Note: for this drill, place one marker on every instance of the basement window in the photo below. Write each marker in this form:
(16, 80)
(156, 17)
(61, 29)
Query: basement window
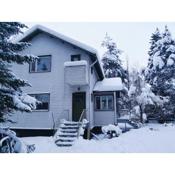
(44, 101)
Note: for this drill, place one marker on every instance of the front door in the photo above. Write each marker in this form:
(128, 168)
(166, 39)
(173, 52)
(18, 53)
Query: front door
(78, 104)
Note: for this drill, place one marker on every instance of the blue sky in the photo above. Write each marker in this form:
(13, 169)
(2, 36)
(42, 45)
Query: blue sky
(131, 37)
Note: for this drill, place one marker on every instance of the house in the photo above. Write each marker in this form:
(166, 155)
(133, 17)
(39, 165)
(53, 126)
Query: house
(67, 78)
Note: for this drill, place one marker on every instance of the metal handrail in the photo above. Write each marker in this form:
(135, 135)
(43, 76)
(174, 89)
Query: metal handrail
(80, 122)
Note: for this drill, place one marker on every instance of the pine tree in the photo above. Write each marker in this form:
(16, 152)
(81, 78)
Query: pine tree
(11, 96)
(112, 64)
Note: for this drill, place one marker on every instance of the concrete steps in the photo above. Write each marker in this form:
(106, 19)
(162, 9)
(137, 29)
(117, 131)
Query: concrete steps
(67, 133)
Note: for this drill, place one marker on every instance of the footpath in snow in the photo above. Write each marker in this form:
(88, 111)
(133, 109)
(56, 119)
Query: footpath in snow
(152, 138)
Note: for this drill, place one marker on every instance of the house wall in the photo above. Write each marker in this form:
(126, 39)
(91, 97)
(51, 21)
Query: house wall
(104, 118)
(51, 82)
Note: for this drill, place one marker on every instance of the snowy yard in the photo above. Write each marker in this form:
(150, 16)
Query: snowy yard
(152, 138)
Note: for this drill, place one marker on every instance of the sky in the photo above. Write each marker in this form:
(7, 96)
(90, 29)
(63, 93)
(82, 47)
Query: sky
(131, 37)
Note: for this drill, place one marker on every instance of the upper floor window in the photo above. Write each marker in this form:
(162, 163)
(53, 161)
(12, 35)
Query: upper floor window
(44, 101)
(76, 57)
(43, 64)
(104, 102)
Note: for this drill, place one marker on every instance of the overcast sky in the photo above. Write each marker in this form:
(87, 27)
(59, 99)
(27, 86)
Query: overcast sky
(131, 37)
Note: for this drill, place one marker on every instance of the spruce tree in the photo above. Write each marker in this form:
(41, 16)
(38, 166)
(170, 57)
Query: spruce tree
(112, 63)
(11, 96)
(156, 36)
(161, 73)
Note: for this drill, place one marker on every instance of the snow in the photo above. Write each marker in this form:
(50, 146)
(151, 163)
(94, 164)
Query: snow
(24, 102)
(171, 48)
(109, 84)
(132, 90)
(108, 128)
(58, 35)
(157, 62)
(62, 37)
(148, 97)
(75, 63)
(151, 138)
(170, 62)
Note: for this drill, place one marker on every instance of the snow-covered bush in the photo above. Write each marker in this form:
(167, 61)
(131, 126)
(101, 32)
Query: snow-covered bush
(111, 130)
(10, 143)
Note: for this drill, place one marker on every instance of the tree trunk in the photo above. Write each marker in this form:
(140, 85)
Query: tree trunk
(141, 114)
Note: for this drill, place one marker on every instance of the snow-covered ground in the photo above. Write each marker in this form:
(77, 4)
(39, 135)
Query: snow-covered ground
(152, 138)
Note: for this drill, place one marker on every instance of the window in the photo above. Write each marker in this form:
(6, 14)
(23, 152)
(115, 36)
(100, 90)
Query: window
(104, 102)
(43, 64)
(44, 101)
(75, 57)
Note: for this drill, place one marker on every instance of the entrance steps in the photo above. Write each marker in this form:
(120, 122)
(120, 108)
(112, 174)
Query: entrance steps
(68, 132)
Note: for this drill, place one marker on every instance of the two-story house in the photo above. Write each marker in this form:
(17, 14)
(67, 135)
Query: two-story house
(66, 78)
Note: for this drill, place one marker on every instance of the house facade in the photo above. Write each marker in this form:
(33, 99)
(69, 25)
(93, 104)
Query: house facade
(67, 79)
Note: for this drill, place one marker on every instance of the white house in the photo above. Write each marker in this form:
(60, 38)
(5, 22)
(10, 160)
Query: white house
(67, 78)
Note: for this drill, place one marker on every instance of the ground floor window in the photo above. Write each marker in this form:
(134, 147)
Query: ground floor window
(104, 102)
(44, 99)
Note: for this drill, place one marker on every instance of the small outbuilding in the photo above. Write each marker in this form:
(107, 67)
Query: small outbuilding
(106, 94)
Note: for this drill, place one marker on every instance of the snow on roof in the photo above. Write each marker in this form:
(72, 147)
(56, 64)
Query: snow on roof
(58, 35)
(74, 42)
(109, 84)
(75, 63)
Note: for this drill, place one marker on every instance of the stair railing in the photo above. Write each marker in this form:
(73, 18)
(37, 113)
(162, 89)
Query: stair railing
(80, 122)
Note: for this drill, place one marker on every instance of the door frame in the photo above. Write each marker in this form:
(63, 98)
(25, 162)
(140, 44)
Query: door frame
(84, 96)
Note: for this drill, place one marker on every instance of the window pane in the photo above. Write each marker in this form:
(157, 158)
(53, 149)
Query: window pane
(110, 102)
(97, 103)
(103, 103)
(44, 99)
(32, 66)
(44, 64)
(75, 58)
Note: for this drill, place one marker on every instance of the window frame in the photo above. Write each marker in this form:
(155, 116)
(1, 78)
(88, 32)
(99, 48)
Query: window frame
(41, 110)
(76, 55)
(36, 61)
(101, 96)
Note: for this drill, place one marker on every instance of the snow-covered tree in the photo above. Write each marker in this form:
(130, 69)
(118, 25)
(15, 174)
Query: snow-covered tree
(156, 36)
(160, 72)
(113, 67)
(112, 63)
(11, 96)
(141, 95)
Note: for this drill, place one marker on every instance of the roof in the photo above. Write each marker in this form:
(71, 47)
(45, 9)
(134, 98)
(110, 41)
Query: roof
(39, 28)
(109, 84)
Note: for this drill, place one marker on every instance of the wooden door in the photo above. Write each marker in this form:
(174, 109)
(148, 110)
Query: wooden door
(78, 104)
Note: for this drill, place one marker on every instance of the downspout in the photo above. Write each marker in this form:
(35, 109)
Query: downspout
(90, 66)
